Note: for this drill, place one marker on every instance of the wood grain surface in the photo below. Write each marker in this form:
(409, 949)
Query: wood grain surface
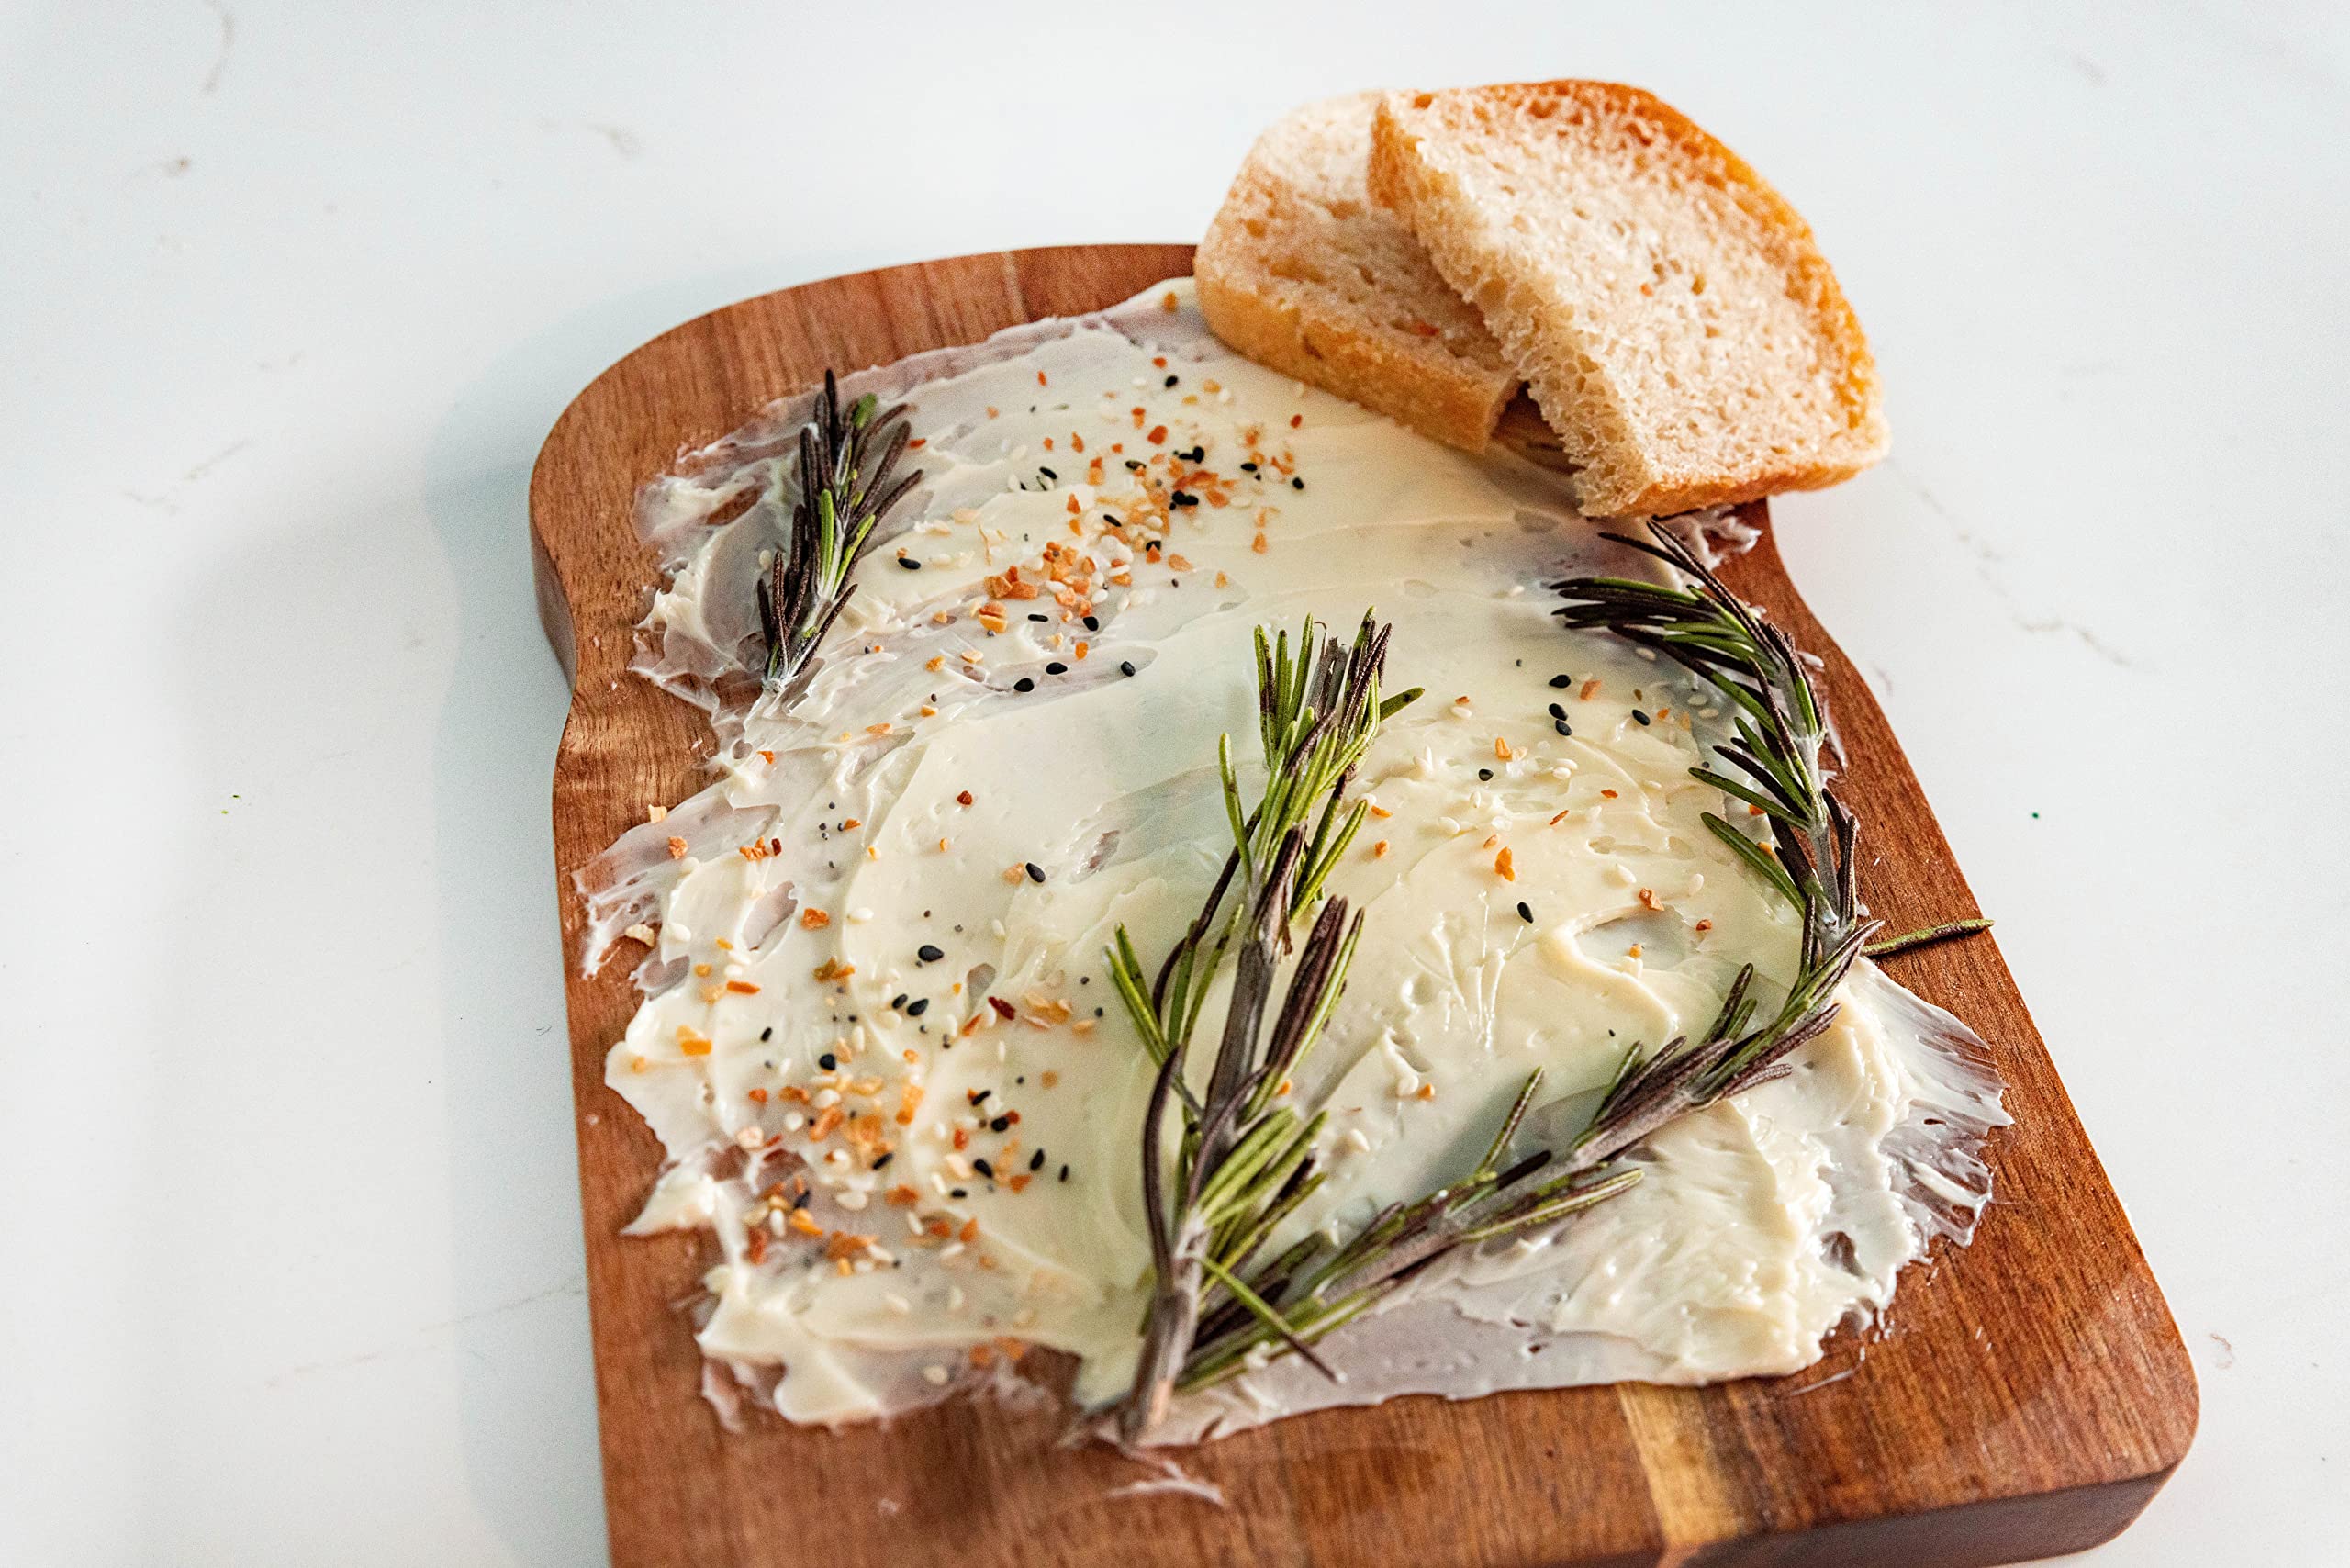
(2032, 1396)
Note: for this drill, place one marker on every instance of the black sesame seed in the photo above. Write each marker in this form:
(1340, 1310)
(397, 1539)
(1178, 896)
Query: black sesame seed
(980, 1097)
(1525, 912)
(1132, 465)
(1000, 1123)
(1093, 623)
(1056, 667)
(1247, 467)
(767, 1033)
(1170, 381)
(917, 1007)
(1182, 499)
(1557, 711)
(1643, 718)
(957, 1193)
(1034, 616)
(1046, 472)
(828, 1061)
(1297, 484)
(929, 953)
(1064, 1172)
(1036, 1161)
(1484, 775)
(898, 1000)
(885, 1160)
(1125, 666)
(1036, 872)
(1024, 683)
(1563, 681)
(910, 564)
(1562, 726)
(984, 1169)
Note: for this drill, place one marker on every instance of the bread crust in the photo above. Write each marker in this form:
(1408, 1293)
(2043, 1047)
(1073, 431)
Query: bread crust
(1331, 349)
(1553, 340)
(1286, 219)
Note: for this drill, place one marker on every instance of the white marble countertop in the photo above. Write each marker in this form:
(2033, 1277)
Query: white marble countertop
(290, 293)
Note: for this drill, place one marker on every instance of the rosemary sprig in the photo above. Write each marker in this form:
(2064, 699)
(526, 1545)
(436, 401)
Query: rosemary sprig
(1244, 1163)
(845, 489)
(1316, 1286)
(1781, 724)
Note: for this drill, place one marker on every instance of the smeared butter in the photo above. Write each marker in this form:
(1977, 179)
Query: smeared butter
(878, 1044)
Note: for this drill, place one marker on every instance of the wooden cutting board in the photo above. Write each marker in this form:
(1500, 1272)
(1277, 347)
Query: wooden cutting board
(2032, 1397)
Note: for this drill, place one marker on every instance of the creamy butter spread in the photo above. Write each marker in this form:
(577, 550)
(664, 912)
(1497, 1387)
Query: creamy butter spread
(876, 1039)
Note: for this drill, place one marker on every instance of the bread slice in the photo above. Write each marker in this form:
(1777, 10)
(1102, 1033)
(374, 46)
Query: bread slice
(1301, 272)
(1670, 312)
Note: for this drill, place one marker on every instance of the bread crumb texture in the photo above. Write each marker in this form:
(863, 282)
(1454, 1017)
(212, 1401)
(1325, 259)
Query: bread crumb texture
(1668, 310)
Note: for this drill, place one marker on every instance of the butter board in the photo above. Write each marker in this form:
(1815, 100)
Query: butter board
(2032, 1397)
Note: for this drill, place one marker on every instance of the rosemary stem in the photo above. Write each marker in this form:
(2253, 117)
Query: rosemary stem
(1885, 948)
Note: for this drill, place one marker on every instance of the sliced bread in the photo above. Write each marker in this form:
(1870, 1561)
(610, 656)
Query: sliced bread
(1669, 311)
(1302, 271)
